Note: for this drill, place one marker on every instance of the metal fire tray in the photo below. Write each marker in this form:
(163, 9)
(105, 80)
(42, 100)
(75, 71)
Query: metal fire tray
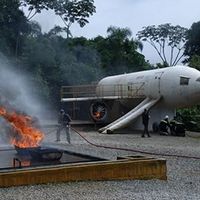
(46, 154)
(18, 169)
(40, 153)
(41, 156)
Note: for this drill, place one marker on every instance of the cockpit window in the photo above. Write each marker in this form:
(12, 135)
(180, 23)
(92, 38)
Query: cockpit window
(184, 80)
(198, 79)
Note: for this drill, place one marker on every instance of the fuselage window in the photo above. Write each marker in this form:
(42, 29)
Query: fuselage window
(184, 80)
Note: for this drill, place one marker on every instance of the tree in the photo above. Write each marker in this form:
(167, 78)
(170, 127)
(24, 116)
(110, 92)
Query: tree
(57, 30)
(35, 29)
(194, 61)
(39, 59)
(54, 61)
(79, 62)
(162, 36)
(121, 34)
(118, 51)
(70, 11)
(36, 6)
(192, 46)
(14, 27)
(75, 11)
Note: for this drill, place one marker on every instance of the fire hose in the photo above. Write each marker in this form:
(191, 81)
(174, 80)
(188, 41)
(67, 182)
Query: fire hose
(132, 150)
(123, 149)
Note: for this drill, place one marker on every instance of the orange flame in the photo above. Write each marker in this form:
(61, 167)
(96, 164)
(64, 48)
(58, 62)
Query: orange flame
(97, 115)
(25, 135)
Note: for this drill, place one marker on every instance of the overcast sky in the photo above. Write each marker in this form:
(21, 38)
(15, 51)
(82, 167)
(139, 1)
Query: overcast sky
(133, 14)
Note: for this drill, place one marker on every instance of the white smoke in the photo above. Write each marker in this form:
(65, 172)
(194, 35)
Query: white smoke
(16, 91)
(18, 94)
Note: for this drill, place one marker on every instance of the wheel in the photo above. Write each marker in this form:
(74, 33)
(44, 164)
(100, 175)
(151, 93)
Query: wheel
(98, 111)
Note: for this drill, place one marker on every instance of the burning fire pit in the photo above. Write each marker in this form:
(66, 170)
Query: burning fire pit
(26, 137)
(40, 153)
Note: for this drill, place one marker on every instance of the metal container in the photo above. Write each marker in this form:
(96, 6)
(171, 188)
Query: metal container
(40, 153)
(46, 154)
(25, 151)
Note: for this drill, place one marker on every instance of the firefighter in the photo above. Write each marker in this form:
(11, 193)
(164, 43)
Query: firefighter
(177, 127)
(164, 126)
(64, 123)
(173, 126)
(145, 121)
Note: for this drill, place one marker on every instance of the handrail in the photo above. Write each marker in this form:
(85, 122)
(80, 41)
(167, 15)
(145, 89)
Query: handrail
(131, 90)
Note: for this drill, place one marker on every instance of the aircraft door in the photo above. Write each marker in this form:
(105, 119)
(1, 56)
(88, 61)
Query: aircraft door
(154, 86)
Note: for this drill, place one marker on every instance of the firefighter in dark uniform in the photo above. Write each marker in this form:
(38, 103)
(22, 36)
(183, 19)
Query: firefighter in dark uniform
(164, 126)
(177, 128)
(64, 123)
(145, 121)
(173, 126)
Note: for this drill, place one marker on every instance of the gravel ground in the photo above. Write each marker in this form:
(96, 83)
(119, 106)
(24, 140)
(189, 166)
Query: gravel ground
(183, 173)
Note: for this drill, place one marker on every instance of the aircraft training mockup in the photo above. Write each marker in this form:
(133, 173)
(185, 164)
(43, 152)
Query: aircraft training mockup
(123, 98)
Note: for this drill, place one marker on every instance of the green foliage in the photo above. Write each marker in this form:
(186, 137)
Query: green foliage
(13, 27)
(163, 65)
(192, 46)
(195, 62)
(162, 36)
(79, 64)
(55, 61)
(75, 11)
(190, 117)
(38, 59)
(120, 34)
(118, 51)
(70, 11)
(35, 29)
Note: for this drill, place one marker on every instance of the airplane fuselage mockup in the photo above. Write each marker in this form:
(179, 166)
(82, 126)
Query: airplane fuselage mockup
(160, 90)
(179, 86)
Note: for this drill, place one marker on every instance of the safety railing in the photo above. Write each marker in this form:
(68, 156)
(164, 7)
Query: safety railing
(132, 90)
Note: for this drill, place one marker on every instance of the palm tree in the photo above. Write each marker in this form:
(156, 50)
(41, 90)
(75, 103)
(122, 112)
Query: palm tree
(123, 35)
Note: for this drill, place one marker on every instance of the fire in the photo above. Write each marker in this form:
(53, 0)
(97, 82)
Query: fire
(24, 134)
(98, 114)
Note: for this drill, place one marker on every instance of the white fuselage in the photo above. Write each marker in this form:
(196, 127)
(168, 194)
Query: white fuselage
(179, 86)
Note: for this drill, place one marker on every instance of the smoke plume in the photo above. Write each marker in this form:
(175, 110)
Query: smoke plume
(17, 94)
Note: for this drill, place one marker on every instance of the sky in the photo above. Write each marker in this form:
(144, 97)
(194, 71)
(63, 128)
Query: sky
(134, 14)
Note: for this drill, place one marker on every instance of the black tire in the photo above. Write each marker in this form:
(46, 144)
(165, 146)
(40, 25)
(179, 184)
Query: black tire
(100, 108)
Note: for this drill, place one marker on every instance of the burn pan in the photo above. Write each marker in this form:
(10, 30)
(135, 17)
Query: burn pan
(25, 151)
(14, 158)
(46, 154)
(40, 153)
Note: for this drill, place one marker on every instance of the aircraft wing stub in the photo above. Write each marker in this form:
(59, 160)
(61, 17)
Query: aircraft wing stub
(95, 98)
